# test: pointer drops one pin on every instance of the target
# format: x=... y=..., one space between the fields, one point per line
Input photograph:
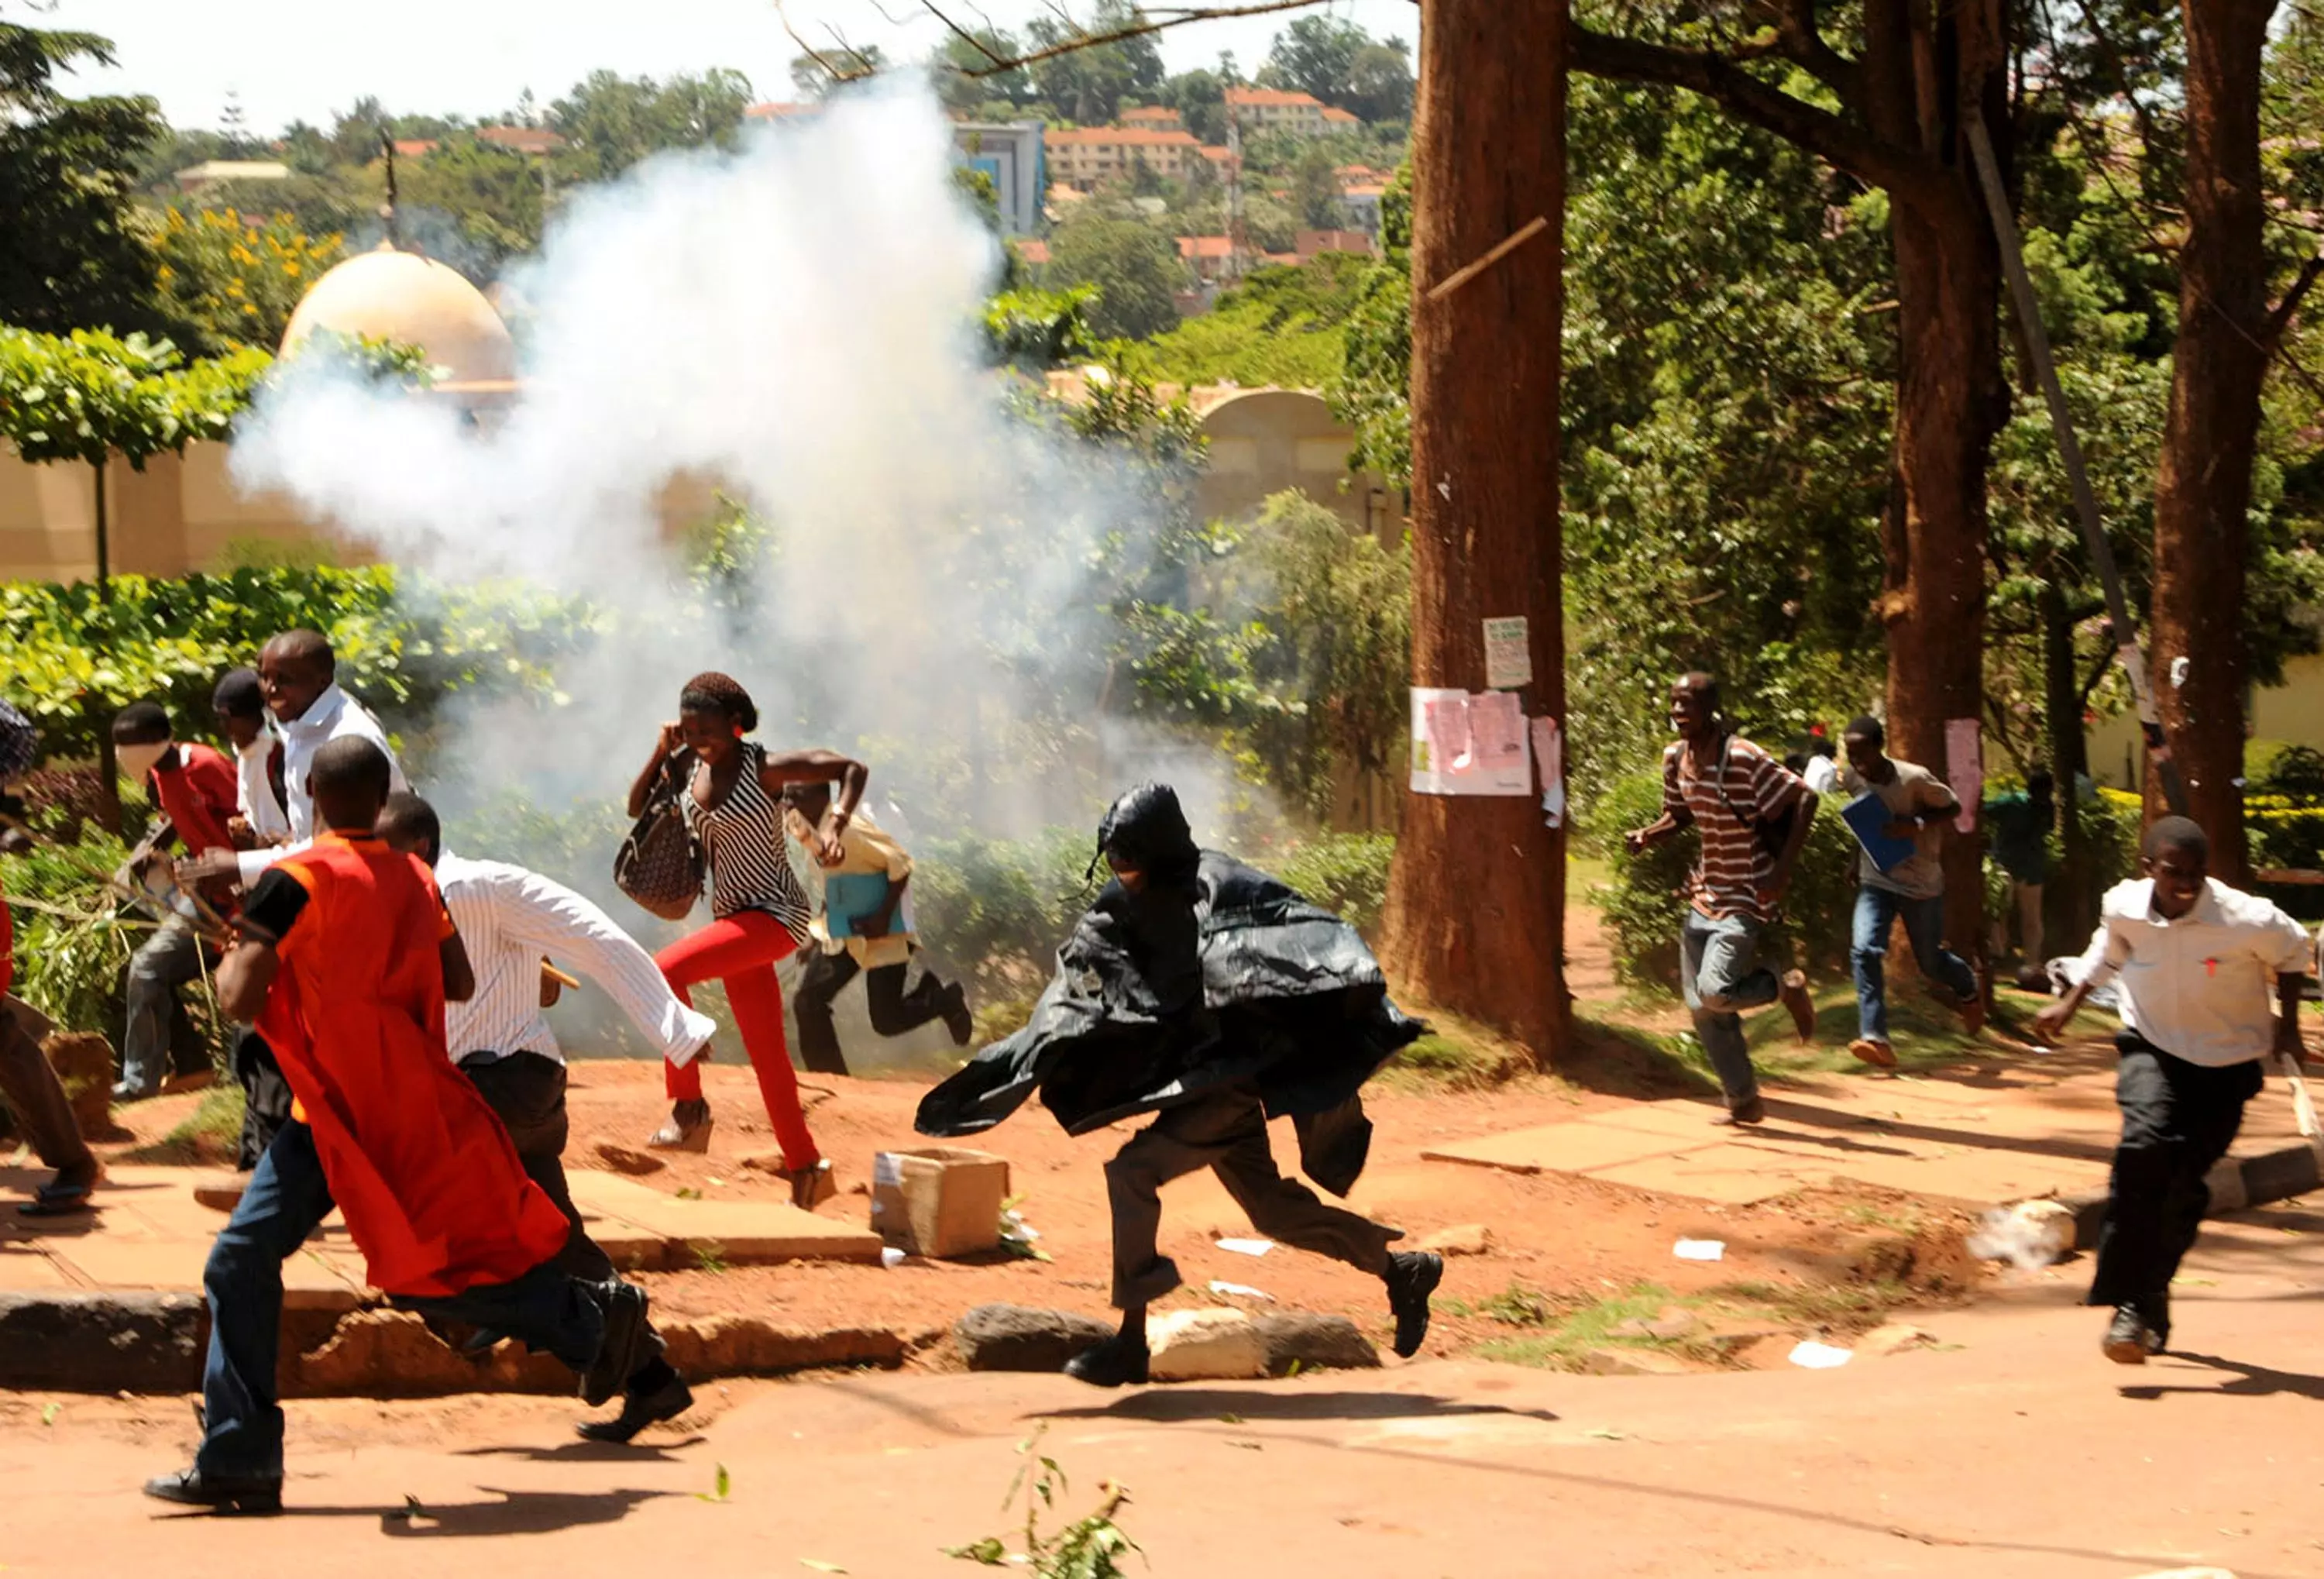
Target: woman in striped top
x=759 y=913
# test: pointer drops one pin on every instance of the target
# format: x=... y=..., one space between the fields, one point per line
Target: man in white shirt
x=239 y=701
x=299 y=673
x=2192 y=961
x=510 y=920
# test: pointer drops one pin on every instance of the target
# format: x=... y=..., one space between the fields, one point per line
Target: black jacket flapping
x=1163 y=997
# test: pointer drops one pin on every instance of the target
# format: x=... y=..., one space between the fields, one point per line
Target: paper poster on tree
x=1469 y=744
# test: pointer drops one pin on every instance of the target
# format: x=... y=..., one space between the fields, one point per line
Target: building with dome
x=187 y=512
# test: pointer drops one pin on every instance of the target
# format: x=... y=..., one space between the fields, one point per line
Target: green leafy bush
x=73 y=658
x=1346 y=873
x=1001 y=907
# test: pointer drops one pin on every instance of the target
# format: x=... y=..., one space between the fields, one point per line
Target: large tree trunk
x=2203 y=488
x=1475 y=922
x=1926 y=73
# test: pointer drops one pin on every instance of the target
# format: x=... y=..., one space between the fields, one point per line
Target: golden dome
x=418 y=302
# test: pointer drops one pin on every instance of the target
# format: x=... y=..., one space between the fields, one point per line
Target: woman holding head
x=758 y=910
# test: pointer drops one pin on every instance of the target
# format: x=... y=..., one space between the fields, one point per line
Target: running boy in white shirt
x=2193 y=961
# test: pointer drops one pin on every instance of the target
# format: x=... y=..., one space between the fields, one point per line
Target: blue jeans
x=1925 y=927
x=1717 y=977
x=286 y=1199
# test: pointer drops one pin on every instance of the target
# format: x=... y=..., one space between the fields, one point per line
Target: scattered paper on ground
x=1244 y=1290
x=1247 y=1246
x=1814 y=1356
x=1700 y=1250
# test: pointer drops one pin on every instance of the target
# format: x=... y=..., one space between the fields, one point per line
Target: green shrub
x=1346 y=873
x=1644 y=906
x=73 y=658
x=1001 y=907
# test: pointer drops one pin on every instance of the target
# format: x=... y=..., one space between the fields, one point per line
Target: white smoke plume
x=796 y=323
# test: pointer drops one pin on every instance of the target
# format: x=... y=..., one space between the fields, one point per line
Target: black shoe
x=640 y=1409
x=1121 y=1358
x=1412 y=1277
x=2155 y=1311
x=956 y=1018
x=191 y=1488
x=1751 y=1110
x=2128 y=1339
x=619 y=1356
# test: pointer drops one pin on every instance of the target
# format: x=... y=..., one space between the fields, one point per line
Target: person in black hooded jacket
x=1211 y=995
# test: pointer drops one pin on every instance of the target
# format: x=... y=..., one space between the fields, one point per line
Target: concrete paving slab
x=1576 y=1147
x=108 y=1262
x=751 y=1233
x=1730 y=1174
x=26 y=1270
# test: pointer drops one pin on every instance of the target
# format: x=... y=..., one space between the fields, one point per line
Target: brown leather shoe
x=1874 y=1051
x=1972 y=1010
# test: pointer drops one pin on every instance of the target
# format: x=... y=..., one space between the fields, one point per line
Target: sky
x=298 y=60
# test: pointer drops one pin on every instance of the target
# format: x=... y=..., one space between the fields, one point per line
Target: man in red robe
x=345 y=958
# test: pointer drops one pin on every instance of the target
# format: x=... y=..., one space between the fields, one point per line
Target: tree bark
x=1475 y=920
x=1925 y=75
x=2202 y=491
x=2073 y=899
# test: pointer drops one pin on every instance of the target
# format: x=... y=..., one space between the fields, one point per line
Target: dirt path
x=1573 y=1239
x=2010 y=1450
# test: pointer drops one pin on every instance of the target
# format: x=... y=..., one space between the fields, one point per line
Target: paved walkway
x=1981 y=1133
x=149 y=1232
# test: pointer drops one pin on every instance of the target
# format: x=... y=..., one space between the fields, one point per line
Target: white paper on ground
x=1247 y=1246
x=1700 y=1250
x=891 y=1257
x=1811 y=1355
x=1241 y=1290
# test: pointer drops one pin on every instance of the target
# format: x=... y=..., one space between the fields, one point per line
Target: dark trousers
x=29 y=1086
x=1226 y=1132
x=286 y=1200
x=893 y=1011
x=2178 y=1120
x=265 y=1096
x=527 y=1091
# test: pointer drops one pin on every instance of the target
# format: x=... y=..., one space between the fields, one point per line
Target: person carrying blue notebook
x=864 y=926
x=1899 y=814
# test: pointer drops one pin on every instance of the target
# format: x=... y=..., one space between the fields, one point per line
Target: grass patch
x=1624 y=1060
x=1559 y=1342
x=1848 y=1307
x=709 y=1255
x=1926 y=1034
x=212 y=1134
x=1456 y=1055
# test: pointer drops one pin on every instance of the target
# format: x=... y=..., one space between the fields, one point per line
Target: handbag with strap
x=659 y=864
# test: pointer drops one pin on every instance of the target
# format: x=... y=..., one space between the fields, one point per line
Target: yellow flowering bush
x=234 y=279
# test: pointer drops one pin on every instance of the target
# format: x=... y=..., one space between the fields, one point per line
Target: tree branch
x=2272 y=334
x=1795 y=22
x=1905 y=175
x=1148 y=22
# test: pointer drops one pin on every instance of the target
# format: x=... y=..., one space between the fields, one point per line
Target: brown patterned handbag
x=659 y=864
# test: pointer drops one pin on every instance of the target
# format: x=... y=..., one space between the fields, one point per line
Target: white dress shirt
x=2200 y=987
x=332 y=716
x=509 y=918
x=1822 y=774
x=253 y=792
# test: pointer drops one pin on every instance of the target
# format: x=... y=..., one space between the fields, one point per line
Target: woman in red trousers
x=758 y=910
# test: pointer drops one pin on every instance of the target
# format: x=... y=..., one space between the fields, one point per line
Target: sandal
x=813 y=1185
x=688 y=1129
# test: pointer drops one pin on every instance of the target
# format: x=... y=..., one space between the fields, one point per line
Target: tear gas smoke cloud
x=795 y=323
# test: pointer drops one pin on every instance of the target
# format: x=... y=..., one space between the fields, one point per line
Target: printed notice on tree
x=1508 y=654
x=1965 y=769
x=1465 y=743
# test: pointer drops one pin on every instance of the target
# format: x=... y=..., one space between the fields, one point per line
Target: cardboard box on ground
x=939 y=1200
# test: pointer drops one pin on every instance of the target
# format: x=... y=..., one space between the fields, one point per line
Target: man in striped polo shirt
x=1752 y=814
